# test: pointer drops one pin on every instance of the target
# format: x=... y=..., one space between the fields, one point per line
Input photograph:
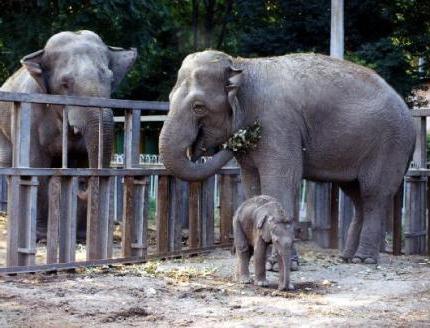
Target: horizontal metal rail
x=82 y=101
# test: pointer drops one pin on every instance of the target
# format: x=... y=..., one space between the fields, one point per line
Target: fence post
x=346 y=212
x=226 y=208
x=321 y=225
x=194 y=214
x=397 y=221
x=22 y=194
x=207 y=212
x=135 y=202
x=162 y=214
x=67 y=224
x=54 y=213
x=416 y=196
x=176 y=210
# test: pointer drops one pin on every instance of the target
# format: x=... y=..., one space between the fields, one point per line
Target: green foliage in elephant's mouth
x=244 y=140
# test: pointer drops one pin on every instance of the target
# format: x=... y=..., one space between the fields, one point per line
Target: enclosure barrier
x=408 y=222
x=185 y=215
x=24 y=182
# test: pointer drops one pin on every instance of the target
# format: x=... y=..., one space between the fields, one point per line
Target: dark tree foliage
x=386 y=35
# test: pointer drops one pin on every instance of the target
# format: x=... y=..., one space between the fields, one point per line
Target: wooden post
x=397 y=221
x=416 y=195
x=415 y=225
x=67 y=224
x=194 y=214
x=226 y=209
x=207 y=215
x=321 y=226
x=162 y=214
x=93 y=223
x=134 y=222
x=346 y=212
x=334 y=216
x=176 y=209
x=54 y=214
x=22 y=195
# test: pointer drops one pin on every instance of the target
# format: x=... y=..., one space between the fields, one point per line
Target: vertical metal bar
x=65 y=146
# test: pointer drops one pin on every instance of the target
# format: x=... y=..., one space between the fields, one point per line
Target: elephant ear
x=120 y=61
x=33 y=64
x=260 y=221
x=233 y=82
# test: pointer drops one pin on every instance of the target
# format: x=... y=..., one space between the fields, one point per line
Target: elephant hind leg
x=375 y=211
x=352 y=190
x=243 y=253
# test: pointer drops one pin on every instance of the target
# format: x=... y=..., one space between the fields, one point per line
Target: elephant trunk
x=91 y=137
x=175 y=140
x=284 y=260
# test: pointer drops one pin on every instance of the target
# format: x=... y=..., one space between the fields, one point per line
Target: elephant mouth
x=199 y=148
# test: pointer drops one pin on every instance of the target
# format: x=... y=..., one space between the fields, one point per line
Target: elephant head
x=274 y=227
x=204 y=112
x=80 y=64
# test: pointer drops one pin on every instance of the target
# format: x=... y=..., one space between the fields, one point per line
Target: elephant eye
x=199 y=108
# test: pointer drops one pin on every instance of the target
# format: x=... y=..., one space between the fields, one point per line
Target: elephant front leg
x=260 y=263
x=250 y=182
x=286 y=190
x=242 y=260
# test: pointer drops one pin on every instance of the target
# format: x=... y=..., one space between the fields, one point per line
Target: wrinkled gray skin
x=323 y=119
x=73 y=64
x=258 y=222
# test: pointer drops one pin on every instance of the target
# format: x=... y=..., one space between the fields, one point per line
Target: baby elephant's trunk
x=284 y=260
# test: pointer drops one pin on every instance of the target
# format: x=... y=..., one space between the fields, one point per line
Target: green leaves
x=244 y=140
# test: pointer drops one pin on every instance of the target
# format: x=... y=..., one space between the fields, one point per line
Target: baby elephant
x=258 y=222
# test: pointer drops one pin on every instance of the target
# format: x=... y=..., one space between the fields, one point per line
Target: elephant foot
x=274 y=266
x=365 y=260
x=262 y=283
x=347 y=255
x=283 y=288
x=244 y=280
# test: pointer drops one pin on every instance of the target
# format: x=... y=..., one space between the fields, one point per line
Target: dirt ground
x=200 y=292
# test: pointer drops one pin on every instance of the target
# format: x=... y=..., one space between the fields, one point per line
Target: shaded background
x=388 y=36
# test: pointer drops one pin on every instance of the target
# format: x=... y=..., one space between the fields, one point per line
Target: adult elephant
x=72 y=64
x=322 y=119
